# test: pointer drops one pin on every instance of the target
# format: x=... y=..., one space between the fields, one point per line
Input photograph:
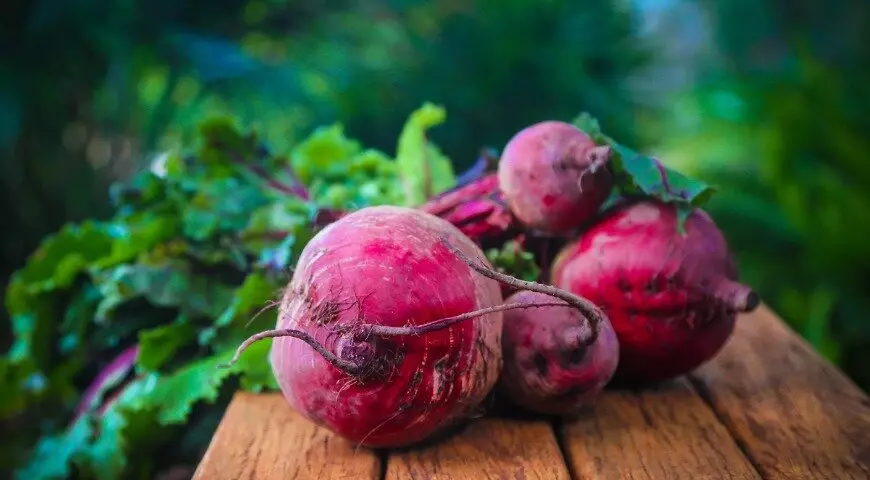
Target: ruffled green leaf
x=424 y=170
x=639 y=174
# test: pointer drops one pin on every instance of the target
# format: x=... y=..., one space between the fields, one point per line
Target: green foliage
x=784 y=135
x=512 y=259
x=642 y=175
x=199 y=246
x=424 y=169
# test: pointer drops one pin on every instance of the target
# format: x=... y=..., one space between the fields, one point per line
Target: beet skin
x=548 y=366
x=387 y=266
x=554 y=177
x=671 y=299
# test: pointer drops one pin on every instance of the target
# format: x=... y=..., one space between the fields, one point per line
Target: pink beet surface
x=553 y=176
x=387 y=266
x=548 y=366
x=477 y=209
x=671 y=299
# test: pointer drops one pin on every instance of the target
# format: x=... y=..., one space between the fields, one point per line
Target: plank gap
x=663 y=432
x=261 y=436
x=490 y=447
x=383 y=456
x=558 y=426
x=702 y=391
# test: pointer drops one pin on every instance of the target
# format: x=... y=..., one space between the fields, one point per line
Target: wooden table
x=766 y=407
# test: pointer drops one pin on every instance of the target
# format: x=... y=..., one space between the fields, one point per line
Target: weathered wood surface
x=490 y=448
x=795 y=415
x=662 y=433
x=261 y=438
x=766 y=407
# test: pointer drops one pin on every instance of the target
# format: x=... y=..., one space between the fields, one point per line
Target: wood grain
x=663 y=433
x=794 y=414
x=489 y=448
x=261 y=437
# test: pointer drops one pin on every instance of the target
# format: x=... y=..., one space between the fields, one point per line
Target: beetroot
x=549 y=365
x=671 y=298
x=359 y=289
x=554 y=177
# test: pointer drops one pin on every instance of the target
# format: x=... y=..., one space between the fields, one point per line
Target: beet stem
x=591 y=311
x=350 y=368
x=440 y=324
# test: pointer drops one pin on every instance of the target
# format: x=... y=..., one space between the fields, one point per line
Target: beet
x=554 y=177
x=549 y=365
x=672 y=298
x=360 y=288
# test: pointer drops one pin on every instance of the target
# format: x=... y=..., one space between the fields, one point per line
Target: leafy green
x=159 y=344
x=54 y=455
x=639 y=174
x=425 y=171
x=512 y=259
x=190 y=264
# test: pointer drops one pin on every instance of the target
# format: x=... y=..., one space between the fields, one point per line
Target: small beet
x=672 y=298
x=549 y=365
x=554 y=177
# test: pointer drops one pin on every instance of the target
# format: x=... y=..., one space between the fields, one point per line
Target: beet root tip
x=750 y=302
x=738 y=296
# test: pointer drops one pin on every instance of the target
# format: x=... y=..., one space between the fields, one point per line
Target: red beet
x=358 y=284
x=553 y=176
x=549 y=365
x=672 y=299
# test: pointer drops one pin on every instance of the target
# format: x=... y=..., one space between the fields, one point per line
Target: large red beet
x=672 y=299
x=377 y=269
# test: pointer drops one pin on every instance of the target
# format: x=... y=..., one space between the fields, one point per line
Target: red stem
x=592 y=313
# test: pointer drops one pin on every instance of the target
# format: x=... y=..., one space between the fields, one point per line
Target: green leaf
x=222 y=205
x=424 y=170
x=590 y=125
x=256 y=291
x=54 y=455
x=255 y=368
x=223 y=132
x=77 y=318
x=54 y=266
x=172 y=396
x=324 y=154
x=512 y=259
x=158 y=345
x=106 y=455
x=136 y=236
x=167 y=284
x=59 y=260
x=639 y=174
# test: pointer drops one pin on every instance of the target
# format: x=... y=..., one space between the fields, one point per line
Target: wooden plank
x=261 y=437
x=794 y=414
x=488 y=448
x=662 y=433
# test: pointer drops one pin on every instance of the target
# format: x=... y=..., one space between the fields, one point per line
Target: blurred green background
x=767 y=99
